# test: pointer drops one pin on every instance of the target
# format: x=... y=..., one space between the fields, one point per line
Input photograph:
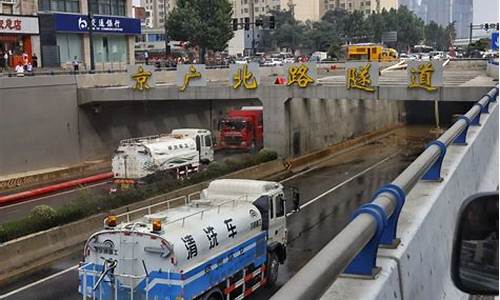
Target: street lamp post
x=165 y=25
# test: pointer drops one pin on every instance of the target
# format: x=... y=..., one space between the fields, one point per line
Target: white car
x=289 y=60
x=273 y=62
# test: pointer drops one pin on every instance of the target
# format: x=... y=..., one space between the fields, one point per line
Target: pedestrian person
x=3 y=62
x=76 y=64
x=25 y=60
x=19 y=70
x=146 y=57
x=6 y=58
x=29 y=69
x=34 y=61
x=296 y=199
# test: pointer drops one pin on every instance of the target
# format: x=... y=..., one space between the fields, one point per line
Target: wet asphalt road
x=309 y=229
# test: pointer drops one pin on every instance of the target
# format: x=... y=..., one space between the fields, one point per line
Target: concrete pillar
x=86 y=51
x=276 y=122
x=131 y=49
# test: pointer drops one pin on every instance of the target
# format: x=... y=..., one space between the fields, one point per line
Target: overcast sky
x=485 y=11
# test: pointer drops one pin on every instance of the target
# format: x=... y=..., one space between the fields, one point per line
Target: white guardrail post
x=354 y=249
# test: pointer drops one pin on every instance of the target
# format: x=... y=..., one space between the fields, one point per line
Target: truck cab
x=242 y=129
x=204 y=141
x=267 y=196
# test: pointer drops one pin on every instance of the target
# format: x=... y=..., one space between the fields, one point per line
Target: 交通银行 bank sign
x=100 y=24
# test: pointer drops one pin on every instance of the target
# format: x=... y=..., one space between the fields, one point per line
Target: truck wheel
x=214 y=294
x=272 y=269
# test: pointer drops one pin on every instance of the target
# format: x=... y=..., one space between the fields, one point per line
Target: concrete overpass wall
x=101 y=131
x=420 y=267
x=41 y=125
x=315 y=123
x=38 y=123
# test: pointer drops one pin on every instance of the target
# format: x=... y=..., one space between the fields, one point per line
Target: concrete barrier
x=19 y=182
x=492 y=69
x=420 y=267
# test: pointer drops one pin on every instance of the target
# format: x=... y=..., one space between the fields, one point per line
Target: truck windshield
x=233 y=124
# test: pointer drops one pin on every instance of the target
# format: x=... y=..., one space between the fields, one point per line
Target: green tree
x=319 y=35
x=450 y=34
x=205 y=24
x=433 y=35
x=288 y=33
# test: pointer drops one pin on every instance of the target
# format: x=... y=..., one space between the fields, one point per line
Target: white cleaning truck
x=223 y=246
x=178 y=153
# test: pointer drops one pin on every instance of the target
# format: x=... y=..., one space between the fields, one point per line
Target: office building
x=64 y=33
x=366 y=6
x=462 y=15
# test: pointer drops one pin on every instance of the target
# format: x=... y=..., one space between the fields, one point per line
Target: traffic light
x=235 y=24
x=247 y=23
x=259 y=22
x=271 y=22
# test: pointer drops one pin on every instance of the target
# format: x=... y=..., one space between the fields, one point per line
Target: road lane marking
x=16 y=291
x=345 y=182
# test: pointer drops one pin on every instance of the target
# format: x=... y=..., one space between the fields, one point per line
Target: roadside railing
x=153 y=208
x=354 y=250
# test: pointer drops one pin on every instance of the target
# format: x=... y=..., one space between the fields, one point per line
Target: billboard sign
x=494 y=40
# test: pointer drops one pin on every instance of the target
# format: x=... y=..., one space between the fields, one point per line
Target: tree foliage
x=206 y=24
x=338 y=27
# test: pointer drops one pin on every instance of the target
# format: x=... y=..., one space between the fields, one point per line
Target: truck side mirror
x=474 y=265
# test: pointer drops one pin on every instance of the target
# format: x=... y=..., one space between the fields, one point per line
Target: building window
x=59 y=5
x=156 y=37
x=108 y=7
x=70 y=46
x=110 y=48
x=140 y=38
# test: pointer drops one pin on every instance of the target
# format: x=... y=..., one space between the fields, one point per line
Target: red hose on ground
x=18 y=197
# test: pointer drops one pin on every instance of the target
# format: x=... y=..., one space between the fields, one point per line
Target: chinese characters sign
x=18 y=24
x=141 y=77
x=107 y=24
x=211 y=235
x=362 y=76
x=190 y=75
x=244 y=75
x=427 y=75
x=301 y=75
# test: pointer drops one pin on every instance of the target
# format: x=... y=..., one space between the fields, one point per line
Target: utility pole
x=165 y=25
x=470 y=34
x=291 y=7
x=91 y=38
x=252 y=22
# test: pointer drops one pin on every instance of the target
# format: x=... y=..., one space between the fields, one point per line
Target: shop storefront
x=111 y=37
x=18 y=35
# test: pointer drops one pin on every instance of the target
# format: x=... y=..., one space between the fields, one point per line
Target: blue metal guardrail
x=354 y=250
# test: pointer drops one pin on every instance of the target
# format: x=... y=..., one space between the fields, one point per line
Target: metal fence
x=354 y=249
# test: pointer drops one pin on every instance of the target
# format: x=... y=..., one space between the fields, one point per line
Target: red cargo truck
x=242 y=129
